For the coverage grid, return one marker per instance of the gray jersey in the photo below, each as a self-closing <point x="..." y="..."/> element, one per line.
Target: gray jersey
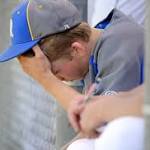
<point x="118" y="55"/>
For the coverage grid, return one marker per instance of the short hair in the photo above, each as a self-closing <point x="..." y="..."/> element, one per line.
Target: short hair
<point x="57" y="46"/>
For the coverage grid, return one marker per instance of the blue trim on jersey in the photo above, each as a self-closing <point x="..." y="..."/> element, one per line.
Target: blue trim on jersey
<point x="142" y="72"/>
<point x="102" y="25"/>
<point x="93" y="65"/>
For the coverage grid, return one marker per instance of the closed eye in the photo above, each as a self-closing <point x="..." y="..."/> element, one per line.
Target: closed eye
<point x="54" y="71"/>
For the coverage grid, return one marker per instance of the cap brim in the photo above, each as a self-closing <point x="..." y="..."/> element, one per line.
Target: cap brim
<point x="16" y="50"/>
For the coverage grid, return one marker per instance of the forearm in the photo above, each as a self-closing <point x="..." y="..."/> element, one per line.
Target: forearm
<point x="135" y="101"/>
<point x="39" y="68"/>
<point x="123" y="104"/>
<point x="62" y="92"/>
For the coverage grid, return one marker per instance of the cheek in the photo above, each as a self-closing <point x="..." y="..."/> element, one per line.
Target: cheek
<point x="69" y="73"/>
<point x="77" y="71"/>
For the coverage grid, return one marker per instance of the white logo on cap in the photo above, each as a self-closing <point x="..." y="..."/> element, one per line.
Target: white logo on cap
<point x="66" y="26"/>
<point x="11" y="28"/>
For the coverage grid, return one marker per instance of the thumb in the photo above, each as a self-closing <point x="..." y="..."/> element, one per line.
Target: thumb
<point x="37" y="51"/>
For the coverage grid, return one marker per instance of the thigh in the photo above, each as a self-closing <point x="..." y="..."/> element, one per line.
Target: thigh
<point x="82" y="144"/>
<point x="122" y="134"/>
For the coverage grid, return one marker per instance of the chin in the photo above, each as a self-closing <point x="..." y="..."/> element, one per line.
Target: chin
<point x="75" y="79"/>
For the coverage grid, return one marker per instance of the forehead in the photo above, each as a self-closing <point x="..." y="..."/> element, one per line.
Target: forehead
<point x="60" y="63"/>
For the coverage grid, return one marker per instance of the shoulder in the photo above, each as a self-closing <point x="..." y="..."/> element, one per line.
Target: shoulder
<point x="123" y="39"/>
<point x="122" y="27"/>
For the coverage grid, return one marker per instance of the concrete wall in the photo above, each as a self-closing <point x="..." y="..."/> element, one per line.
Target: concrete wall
<point x="28" y="115"/>
<point x="27" y="112"/>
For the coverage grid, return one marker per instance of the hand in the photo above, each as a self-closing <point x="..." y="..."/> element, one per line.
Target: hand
<point x="37" y="66"/>
<point x="103" y="109"/>
<point x="77" y="106"/>
<point x="75" y="109"/>
<point x="91" y="118"/>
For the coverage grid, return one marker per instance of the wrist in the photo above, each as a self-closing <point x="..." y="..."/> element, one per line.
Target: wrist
<point x="99" y="110"/>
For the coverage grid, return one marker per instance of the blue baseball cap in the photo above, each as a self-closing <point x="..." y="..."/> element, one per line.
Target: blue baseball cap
<point x="32" y="20"/>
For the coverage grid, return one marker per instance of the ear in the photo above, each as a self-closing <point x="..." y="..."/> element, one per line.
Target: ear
<point x="77" y="49"/>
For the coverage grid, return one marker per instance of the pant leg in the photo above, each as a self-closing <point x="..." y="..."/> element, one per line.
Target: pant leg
<point x="82" y="144"/>
<point x="122" y="134"/>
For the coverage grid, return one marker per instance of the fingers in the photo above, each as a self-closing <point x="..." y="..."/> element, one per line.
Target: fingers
<point x="90" y="135"/>
<point x="38" y="52"/>
<point x="22" y="58"/>
<point x="19" y="58"/>
<point x="74" y="117"/>
<point x="88" y="131"/>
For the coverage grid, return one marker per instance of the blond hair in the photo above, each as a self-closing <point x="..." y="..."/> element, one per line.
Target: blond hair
<point x="57" y="46"/>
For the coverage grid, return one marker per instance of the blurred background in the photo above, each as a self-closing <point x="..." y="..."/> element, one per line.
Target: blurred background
<point x="28" y="115"/>
<point x="31" y="119"/>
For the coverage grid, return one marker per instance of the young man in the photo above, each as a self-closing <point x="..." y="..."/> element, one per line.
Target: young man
<point x="111" y="57"/>
<point x="65" y="48"/>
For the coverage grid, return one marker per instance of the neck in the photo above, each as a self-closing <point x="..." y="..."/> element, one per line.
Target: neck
<point x="95" y="35"/>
